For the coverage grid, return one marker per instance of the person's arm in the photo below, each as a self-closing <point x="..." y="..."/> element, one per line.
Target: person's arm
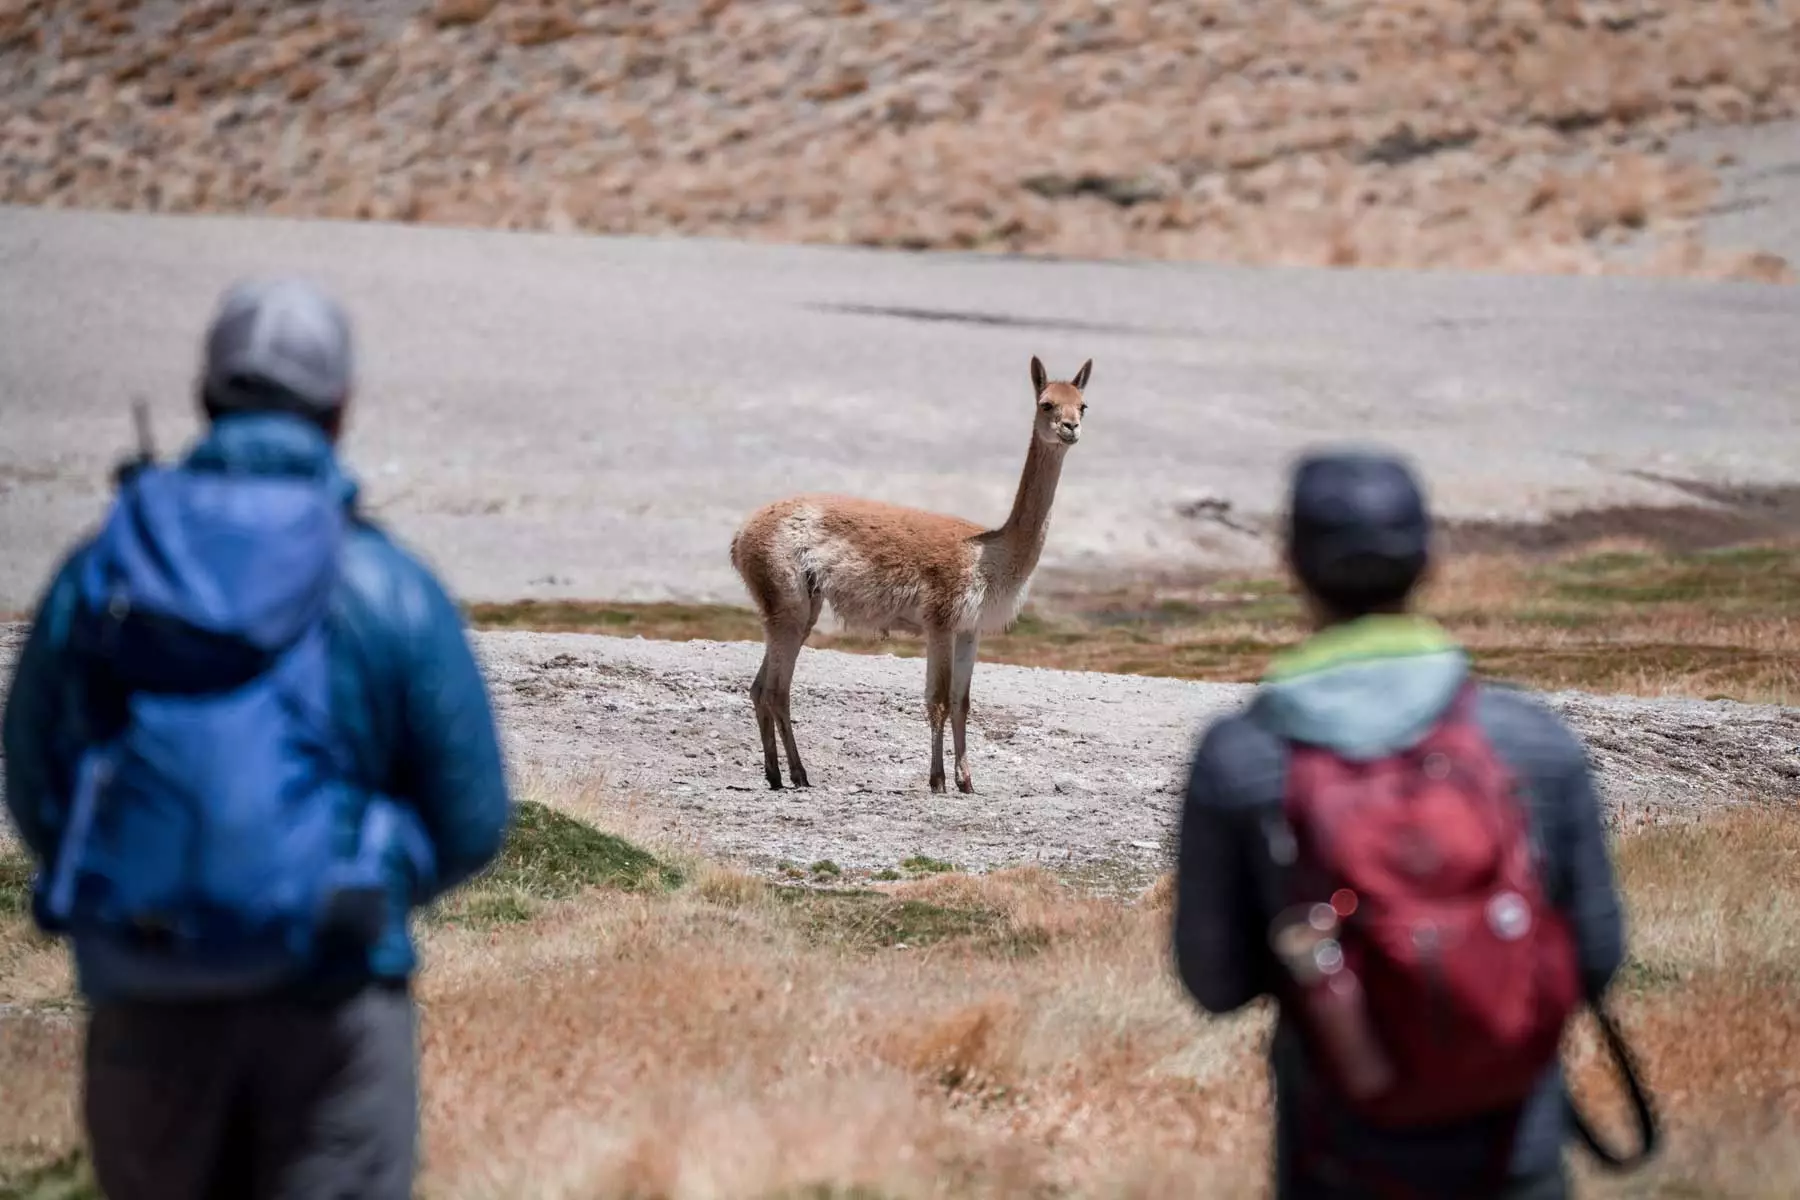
<point x="454" y="769"/>
<point x="29" y="731"/>
<point x="1218" y="949"/>
<point x="1594" y="907"/>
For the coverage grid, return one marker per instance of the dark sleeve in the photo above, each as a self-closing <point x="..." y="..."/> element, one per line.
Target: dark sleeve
<point x="1591" y="890"/>
<point x="30" y="733"/>
<point x="450" y="745"/>
<point x="1566" y="807"/>
<point x="1219" y="950"/>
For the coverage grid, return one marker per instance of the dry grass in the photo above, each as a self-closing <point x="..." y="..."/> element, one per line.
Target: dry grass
<point x="1484" y="134"/>
<point x="733" y="1037"/>
<point x="1611" y="617"/>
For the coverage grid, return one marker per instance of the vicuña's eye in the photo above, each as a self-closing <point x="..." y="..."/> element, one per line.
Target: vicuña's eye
<point x="1084" y="410"/>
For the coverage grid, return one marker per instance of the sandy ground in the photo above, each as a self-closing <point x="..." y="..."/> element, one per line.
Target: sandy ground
<point x="1069" y="767"/>
<point x="1076" y="770"/>
<point x="589" y="417"/>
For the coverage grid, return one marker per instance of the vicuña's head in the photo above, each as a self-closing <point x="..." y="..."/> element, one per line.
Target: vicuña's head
<point x="1059" y="404"/>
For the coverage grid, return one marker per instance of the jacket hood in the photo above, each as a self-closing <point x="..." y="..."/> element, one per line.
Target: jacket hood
<point x="1367" y="688"/>
<point x="271" y="444"/>
<point x="219" y="562"/>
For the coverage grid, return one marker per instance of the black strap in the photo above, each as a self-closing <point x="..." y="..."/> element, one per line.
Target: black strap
<point x="1648" y="1130"/>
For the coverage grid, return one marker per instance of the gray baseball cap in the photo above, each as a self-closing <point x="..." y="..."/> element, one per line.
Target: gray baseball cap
<point x="278" y="343"/>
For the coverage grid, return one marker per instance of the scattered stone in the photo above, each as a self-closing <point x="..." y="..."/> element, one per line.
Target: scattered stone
<point x="450" y="13"/>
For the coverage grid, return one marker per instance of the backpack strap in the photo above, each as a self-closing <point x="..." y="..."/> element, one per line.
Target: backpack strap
<point x="1649" y="1133"/>
<point x="55" y="899"/>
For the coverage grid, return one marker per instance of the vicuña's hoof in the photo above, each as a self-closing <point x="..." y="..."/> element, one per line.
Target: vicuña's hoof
<point x="800" y="779"/>
<point x="965" y="785"/>
<point x="937" y="784"/>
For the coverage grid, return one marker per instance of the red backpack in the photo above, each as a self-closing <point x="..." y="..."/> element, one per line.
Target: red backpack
<point x="1430" y="975"/>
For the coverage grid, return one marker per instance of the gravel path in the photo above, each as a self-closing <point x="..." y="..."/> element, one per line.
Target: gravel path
<point x="1071" y="769"/>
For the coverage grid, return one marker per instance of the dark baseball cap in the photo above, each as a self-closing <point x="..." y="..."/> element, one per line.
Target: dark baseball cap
<point x="1358" y="528"/>
<point x="278" y="343"/>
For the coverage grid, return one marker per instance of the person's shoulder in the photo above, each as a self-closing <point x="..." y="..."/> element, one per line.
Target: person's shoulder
<point x="388" y="586"/>
<point x="1239" y="756"/>
<point x="56" y="602"/>
<point x="1522" y="725"/>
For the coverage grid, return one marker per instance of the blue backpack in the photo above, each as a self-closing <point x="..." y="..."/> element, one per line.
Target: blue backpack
<point x="216" y="843"/>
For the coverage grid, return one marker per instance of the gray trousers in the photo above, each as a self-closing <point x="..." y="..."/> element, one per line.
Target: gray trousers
<point x="263" y="1100"/>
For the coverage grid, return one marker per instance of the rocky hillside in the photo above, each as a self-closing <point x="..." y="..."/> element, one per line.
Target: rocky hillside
<point x="1511" y="134"/>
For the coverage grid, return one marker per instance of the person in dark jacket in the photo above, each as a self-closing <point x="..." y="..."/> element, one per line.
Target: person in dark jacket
<point x="311" y="1091"/>
<point x="1373" y="680"/>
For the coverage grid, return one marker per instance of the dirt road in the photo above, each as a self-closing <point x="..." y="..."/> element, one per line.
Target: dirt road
<point x="590" y="417"/>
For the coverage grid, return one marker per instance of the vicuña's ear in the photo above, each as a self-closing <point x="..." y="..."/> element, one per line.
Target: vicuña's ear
<point x="1081" y="376"/>
<point x="1040" y="378"/>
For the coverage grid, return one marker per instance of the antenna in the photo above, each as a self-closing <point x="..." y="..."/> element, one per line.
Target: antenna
<point x="146" y="448"/>
<point x="140" y="414"/>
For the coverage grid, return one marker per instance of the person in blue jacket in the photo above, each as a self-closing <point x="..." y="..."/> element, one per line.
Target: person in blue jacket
<point x="263" y="601"/>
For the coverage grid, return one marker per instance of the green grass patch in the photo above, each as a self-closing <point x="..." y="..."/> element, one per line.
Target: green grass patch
<point x="66" y="1178"/>
<point x="1759" y="579"/>
<point x="669" y="621"/>
<point x="15" y="885"/>
<point x="548" y="856"/>
<point x="498" y="908"/>
<point x="866" y="920"/>
<point x="922" y="864"/>
<point x="1603" y="667"/>
<point x="1636" y="975"/>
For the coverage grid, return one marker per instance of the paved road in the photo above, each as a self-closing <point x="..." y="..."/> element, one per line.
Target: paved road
<point x="584" y="416"/>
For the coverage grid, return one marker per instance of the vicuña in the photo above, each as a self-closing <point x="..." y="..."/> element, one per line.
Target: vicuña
<point x="884" y="567"/>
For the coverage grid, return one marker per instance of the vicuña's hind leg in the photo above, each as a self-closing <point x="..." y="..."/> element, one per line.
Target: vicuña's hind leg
<point x="937" y="699"/>
<point x="781" y="682"/>
<point x="763" y="703"/>
<point x="962" y="669"/>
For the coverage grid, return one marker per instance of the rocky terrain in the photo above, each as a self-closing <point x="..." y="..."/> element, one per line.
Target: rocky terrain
<point x="1070" y="768"/>
<point x="1539" y="135"/>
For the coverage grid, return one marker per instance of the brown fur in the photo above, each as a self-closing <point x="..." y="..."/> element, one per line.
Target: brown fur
<point x="884" y="567"/>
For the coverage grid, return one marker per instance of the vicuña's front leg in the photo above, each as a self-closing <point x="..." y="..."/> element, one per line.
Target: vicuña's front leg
<point x="962" y="669"/>
<point x="937" y="699"/>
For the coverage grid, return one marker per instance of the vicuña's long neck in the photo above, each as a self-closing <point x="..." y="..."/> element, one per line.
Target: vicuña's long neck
<point x="1022" y="537"/>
